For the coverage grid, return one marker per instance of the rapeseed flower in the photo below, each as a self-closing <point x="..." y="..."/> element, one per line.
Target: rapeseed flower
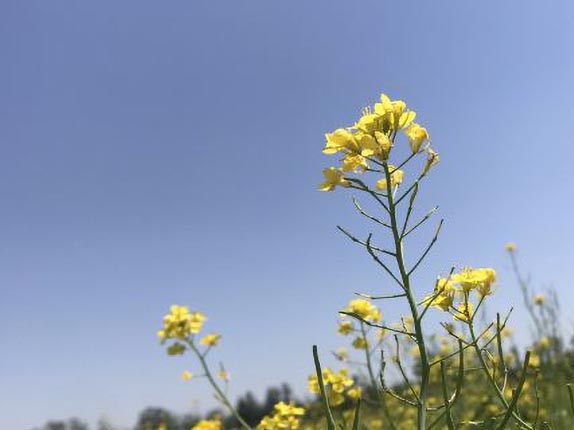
<point x="333" y="178"/>
<point x="210" y="339"/>
<point x="364" y="309"/>
<point x="212" y="424"/>
<point x="186" y="375"/>
<point x="417" y="135"/>
<point x="397" y="176"/>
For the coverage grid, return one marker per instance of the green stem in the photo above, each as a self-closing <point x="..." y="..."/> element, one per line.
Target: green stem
<point x="419" y="336"/>
<point x="493" y="383"/>
<point x="216" y="387"/>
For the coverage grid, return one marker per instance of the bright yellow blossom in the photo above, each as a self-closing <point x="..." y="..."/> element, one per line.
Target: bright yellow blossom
<point x="335" y="384"/>
<point x="285" y="416"/>
<point x="397" y="176"/>
<point x="180" y="323"/>
<point x="539" y="299"/>
<point x="510" y="247"/>
<point x="432" y="159"/>
<point x="416" y="135"/>
<point x="345" y="327"/>
<point x="479" y="279"/>
<point x="360" y="343"/>
<point x="223" y="375"/>
<point x="354" y="163"/>
<point x="465" y="312"/>
<point x="210" y="339"/>
<point x="340" y="140"/>
<point x="333" y="178"/>
<point x="213" y="424"/>
<point x="186" y="375"/>
<point x="364" y="309"/>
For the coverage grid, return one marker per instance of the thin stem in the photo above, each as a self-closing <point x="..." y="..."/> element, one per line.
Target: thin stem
<point x="215" y="386"/>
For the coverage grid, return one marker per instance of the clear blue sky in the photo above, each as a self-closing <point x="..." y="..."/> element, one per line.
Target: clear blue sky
<point x="159" y="152"/>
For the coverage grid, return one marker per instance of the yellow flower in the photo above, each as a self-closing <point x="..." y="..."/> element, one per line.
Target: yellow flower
<point x="479" y="279"/>
<point x="223" y="375"/>
<point x="416" y="135"/>
<point x="360" y="343"/>
<point x="213" y="424"/>
<point x="354" y="163"/>
<point x="397" y="176"/>
<point x="464" y="312"/>
<point x="544" y="342"/>
<point x="539" y="299"/>
<point x="340" y="140"/>
<point x="432" y="159"/>
<point x="335" y="385"/>
<point x="285" y="416"/>
<point x="534" y="360"/>
<point x="355" y="392"/>
<point x="394" y="112"/>
<point x="510" y="247"/>
<point x="442" y="300"/>
<point x="364" y="309"/>
<point x="210" y="339"/>
<point x="333" y="178"/>
<point x="345" y="327"/>
<point x="186" y="375"/>
<point x="180" y="323"/>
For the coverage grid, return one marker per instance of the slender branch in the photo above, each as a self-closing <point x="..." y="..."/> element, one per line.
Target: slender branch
<point x="360" y="242"/>
<point x="429" y="247"/>
<point x="369" y="216"/>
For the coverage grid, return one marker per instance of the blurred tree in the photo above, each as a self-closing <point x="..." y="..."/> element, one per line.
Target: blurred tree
<point x="153" y="417"/>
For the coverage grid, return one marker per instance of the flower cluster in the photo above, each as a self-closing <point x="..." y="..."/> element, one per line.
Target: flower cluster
<point x="337" y="384"/>
<point x="285" y="416"/>
<point x="370" y="141"/>
<point x="180" y="323"/>
<point x="459" y="286"/>
<point x="364" y="309"/>
<point x="212" y="424"/>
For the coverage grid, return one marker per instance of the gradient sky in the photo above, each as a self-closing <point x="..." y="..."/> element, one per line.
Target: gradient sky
<point x="159" y="152"/>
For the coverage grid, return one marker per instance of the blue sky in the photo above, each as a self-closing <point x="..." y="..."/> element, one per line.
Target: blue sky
<point x="168" y="152"/>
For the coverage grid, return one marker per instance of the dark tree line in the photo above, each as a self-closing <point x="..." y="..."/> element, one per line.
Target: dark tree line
<point x="248" y="406"/>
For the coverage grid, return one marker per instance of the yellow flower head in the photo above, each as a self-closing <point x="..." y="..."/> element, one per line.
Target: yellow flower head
<point x="213" y="424"/>
<point x="364" y="309"/>
<point x="510" y="247"/>
<point x="479" y="279"/>
<point x="210" y="339"/>
<point x="341" y="140"/>
<point x="335" y="384"/>
<point x="397" y="176"/>
<point x="333" y="178"/>
<point x="465" y="312"/>
<point x="539" y="299"/>
<point x="360" y="343"/>
<point x="432" y="159"/>
<point x="544" y="342"/>
<point x="345" y="327"/>
<point x="180" y="323"/>
<point x="186" y="375"/>
<point x="417" y="135"/>
<point x="285" y="416"/>
<point x="223" y="375"/>
<point x="354" y="163"/>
